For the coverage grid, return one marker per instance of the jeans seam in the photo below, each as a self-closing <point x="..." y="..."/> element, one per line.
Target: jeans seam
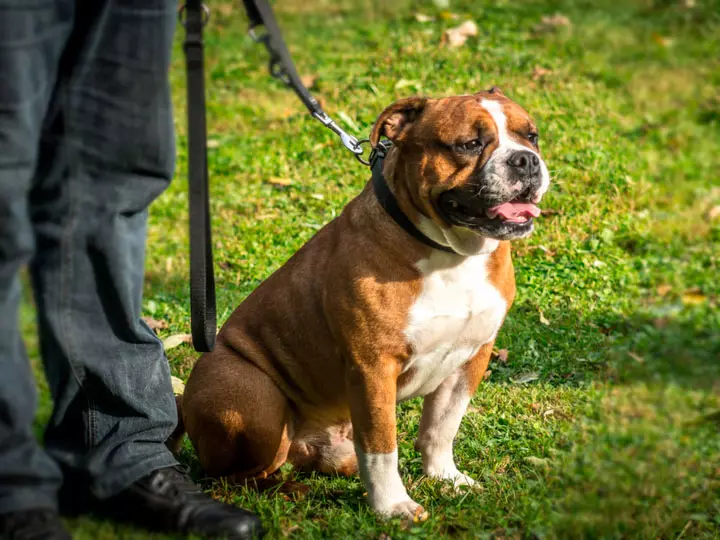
<point x="66" y="272"/>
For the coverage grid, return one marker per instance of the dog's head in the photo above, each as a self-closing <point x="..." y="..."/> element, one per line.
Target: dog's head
<point x="468" y="161"/>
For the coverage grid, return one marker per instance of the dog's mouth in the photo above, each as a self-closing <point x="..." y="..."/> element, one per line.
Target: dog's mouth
<point x="509" y="219"/>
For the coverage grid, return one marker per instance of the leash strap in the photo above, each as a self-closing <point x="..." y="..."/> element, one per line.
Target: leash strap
<point x="282" y="68"/>
<point x="203" y="318"/>
<point x="387" y="199"/>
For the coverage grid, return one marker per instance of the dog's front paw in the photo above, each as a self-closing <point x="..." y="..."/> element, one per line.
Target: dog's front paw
<point x="450" y="473"/>
<point x="407" y="509"/>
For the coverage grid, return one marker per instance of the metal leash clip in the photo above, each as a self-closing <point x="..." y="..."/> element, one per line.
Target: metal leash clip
<point x="350" y="142"/>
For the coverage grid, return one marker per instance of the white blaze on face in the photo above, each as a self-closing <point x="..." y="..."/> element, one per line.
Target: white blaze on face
<point x="497" y="167"/>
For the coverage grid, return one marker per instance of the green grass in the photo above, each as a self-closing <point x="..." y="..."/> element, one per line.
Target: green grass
<point x="618" y="289"/>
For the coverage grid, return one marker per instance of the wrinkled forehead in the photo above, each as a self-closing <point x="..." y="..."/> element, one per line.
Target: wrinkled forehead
<point x="447" y="119"/>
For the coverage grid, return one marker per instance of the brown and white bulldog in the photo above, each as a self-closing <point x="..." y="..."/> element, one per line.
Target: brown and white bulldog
<point x="310" y="367"/>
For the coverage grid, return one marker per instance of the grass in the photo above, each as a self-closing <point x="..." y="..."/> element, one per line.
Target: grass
<point x="617" y="316"/>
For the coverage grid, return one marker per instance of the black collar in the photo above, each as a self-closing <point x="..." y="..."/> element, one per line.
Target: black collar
<point x="388" y="201"/>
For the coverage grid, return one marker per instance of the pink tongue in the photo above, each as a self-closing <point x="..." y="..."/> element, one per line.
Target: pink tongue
<point x="516" y="212"/>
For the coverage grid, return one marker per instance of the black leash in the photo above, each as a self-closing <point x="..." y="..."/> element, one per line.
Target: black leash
<point x="387" y="199"/>
<point x="282" y="68"/>
<point x="203" y="317"/>
<point x="194" y="15"/>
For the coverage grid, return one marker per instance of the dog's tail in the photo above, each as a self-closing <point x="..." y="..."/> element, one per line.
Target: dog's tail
<point x="174" y="442"/>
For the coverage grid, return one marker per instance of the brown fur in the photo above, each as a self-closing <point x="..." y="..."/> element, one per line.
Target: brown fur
<point x="320" y="343"/>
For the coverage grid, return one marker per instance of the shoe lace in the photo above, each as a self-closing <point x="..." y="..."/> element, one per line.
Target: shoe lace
<point x="173" y="482"/>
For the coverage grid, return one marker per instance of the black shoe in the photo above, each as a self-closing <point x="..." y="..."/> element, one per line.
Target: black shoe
<point x="32" y="525"/>
<point x="167" y="501"/>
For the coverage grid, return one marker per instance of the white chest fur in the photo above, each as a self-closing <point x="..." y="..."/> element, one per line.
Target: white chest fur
<point x="457" y="312"/>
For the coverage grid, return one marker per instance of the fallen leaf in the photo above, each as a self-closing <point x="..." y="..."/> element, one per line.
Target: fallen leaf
<point x="639" y="359"/>
<point x="448" y="16"/>
<point x="663" y="41"/>
<point x="487" y="374"/>
<point x="714" y="212"/>
<point x="502" y="356"/>
<point x="525" y="378"/>
<point x="456" y="37"/>
<point x="422" y="18"/>
<point x="549" y="412"/>
<point x="535" y="406"/>
<point x="318" y="196"/>
<point x="176" y="340"/>
<point x="538" y="73"/>
<point x="280" y="182"/>
<point x="406" y="83"/>
<point x="178" y="386"/>
<point x="551" y="23"/>
<point x="266" y="215"/>
<point x="540" y="463"/>
<point x="213" y="143"/>
<point x="155" y="325"/>
<point x="693" y="297"/>
<point x="543" y="320"/>
<point x="441" y="4"/>
<point x="663" y="289"/>
<point x="309" y="81"/>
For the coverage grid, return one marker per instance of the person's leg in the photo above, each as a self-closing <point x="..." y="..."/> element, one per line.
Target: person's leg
<point x="109" y="152"/>
<point x="32" y="37"/>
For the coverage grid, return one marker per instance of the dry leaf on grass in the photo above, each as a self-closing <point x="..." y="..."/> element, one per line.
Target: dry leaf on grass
<point x="456" y="37"/>
<point x="448" y="15"/>
<point x="663" y="41"/>
<point x="501" y="355"/>
<point x="660" y="322"/>
<point x="422" y="18"/>
<point x="543" y="319"/>
<point x="525" y="378"/>
<point x="279" y="182"/>
<point x="663" y="289"/>
<point x="639" y="359"/>
<point x="309" y="81"/>
<point x="551" y="23"/>
<point x="714" y="212"/>
<point x="155" y="324"/>
<point x="540" y="72"/>
<point x="693" y="297"/>
<point x="177" y="385"/>
<point x="176" y="340"/>
<point x="487" y="374"/>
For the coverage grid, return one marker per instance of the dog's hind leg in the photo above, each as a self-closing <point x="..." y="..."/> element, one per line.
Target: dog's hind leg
<point x="236" y="417"/>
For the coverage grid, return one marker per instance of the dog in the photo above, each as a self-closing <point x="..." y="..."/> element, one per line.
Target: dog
<point x="310" y="367"/>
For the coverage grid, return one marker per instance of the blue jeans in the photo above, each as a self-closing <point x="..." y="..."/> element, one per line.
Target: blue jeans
<point x="86" y="144"/>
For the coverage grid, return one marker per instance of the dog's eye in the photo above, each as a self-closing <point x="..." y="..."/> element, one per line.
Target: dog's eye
<point x="533" y="138"/>
<point x="474" y="146"/>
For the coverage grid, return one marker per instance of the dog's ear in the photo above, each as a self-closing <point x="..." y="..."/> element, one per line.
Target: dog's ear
<point x="394" y="120"/>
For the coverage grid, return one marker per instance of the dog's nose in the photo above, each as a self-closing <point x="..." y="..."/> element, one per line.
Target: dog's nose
<point x="525" y="162"/>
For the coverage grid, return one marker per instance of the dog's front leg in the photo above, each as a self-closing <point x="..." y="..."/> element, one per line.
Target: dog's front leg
<point x="443" y="410"/>
<point x="372" y="393"/>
